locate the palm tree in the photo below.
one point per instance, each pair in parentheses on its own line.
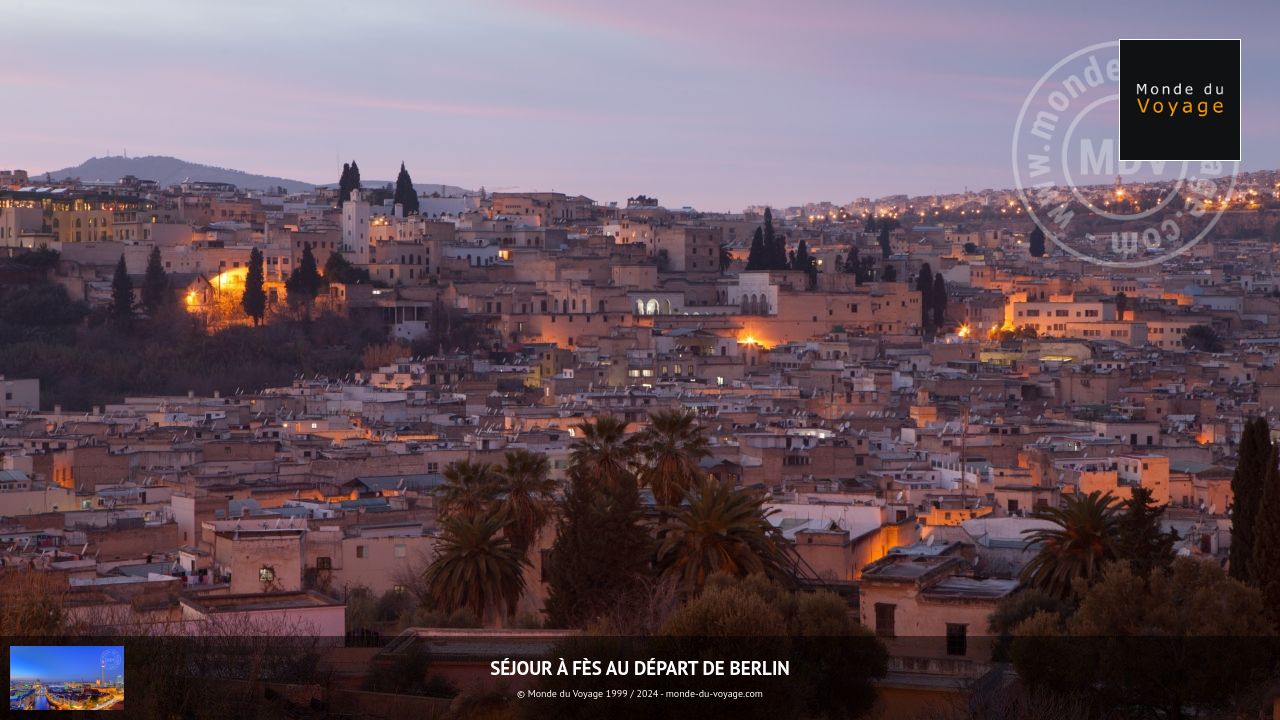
(1083,541)
(469,488)
(720,529)
(602,454)
(526,495)
(476,566)
(671,447)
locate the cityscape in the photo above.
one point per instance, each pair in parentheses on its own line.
(66,677)
(673,362)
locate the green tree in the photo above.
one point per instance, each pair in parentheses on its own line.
(1203,338)
(720,529)
(155,284)
(602,455)
(476,567)
(337,269)
(886,249)
(970,249)
(121,307)
(469,488)
(602,555)
(890,273)
(254,299)
(756,258)
(1190,637)
(304,283)
(1122,303)
(1139,539)
(526,495)
(1246,489)
(671,448)
(349,181)
(1035,242)
(924,285)
(1266,541)
(938,300)
(406,196)
(1083,541)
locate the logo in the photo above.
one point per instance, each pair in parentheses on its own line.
(1085,199)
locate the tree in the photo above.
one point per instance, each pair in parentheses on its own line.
(671,448)
(938,299)
(775,246)
(526,495)
(885,248)
(1203,338)
(476,567)
(254,300)
(155,284)
(304,283)
(1122,302)
(337,269)
(726,258)
(1083,541)
(602,455)
(469,488)
(1190,637)
(721,529)
(1140,540)
(756,258)
(602,555)
(1246,489)
(121,307)
(1035,242)
(1266,541)
(349,181)
(406,196)
(889,274)
(924,285)
(970,249)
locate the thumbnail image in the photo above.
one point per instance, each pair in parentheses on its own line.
(66,677)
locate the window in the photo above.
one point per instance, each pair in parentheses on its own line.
(399,551)
(324,563)
(267,574)
(884,619)
(957,639)
(360,551)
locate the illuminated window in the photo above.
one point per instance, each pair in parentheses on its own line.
(267,574)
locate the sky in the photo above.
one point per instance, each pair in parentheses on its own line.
(58,662)
(715,104)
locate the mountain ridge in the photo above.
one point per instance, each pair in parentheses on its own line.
(166,170)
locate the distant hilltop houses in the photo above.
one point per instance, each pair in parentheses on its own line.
(308,408)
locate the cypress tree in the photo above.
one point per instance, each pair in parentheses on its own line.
(601,555)
(889,274)
(155,284)
(254,300)
(121,307)
(355,176)
(1246,488)
(304,282)
(344,183)
(405,195)
(756,259)
(924,285)
(1265,564)
(1036,242)
(885,249)
(939,300)
(775,248)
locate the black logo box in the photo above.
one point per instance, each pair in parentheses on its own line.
(1186,65)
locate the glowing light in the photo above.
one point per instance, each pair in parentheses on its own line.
(964,331)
